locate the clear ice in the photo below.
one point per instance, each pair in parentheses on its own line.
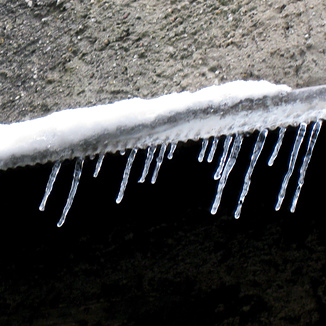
(126,174)
(296,147)
(159,162)
(312,141)
(227,143)
(278,145)
(212,150)
(173,146)
(55,170)
(203,150)
(98,165)
(149,158)
(226,171)
(75,182)
(254,157)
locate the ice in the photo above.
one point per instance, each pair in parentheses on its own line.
(203,150)
(312,141)
(254,157)
(173,146)
(226,171)
(278,145)
(98,165)
(298,141)
(213,150)
(126,174)
(75,182)
(159,162)
(49,185)
(227,143)
(149,158)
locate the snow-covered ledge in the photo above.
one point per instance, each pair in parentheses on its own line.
(232,109)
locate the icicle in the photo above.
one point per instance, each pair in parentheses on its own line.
(122,153)
(226,171)
(227,143)
(159,161)
(213,150)
(298,141)
(55,170)
(173,146)
(278,145)
(98,165)
(126,174)
(75,182)
(149,158)
(254,157)
(312,141)
(203,150)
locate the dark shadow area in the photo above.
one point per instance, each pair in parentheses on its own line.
(160,257)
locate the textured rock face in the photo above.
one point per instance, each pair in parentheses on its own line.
(144,261)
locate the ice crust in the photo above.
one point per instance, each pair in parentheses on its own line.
(60,131)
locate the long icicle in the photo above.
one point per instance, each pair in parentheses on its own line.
(254,157)
(149,158)
(312,141)
(173,147)
(227,169)
(75,182)
(126,174)
(159,162)
(278,145)
(49,186)
(296,147)
(226,146)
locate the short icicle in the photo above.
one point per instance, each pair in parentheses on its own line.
(98,165)
(75,182)
(159,162)
(126,174)
(212,150)
(296,147)
(226,171)
(254,157)
(226,146)
(278,145)
(203,150)
(53,175)
(312,141)
(173,147)
(149,158)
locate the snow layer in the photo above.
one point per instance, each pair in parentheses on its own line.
(138,123)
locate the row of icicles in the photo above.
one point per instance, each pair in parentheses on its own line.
(231,149)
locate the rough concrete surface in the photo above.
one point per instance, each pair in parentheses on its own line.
(141,264)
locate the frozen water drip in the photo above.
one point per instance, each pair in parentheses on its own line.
(226,146)
(203,150)
(55,170)
(126,174)
(226,171)
(98,165)
(312,141)
(278,145)
(75,182)
(159,162)
(213,150)
(254,157)
(149,158)
(294,154)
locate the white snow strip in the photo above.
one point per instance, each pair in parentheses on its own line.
(139,123)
